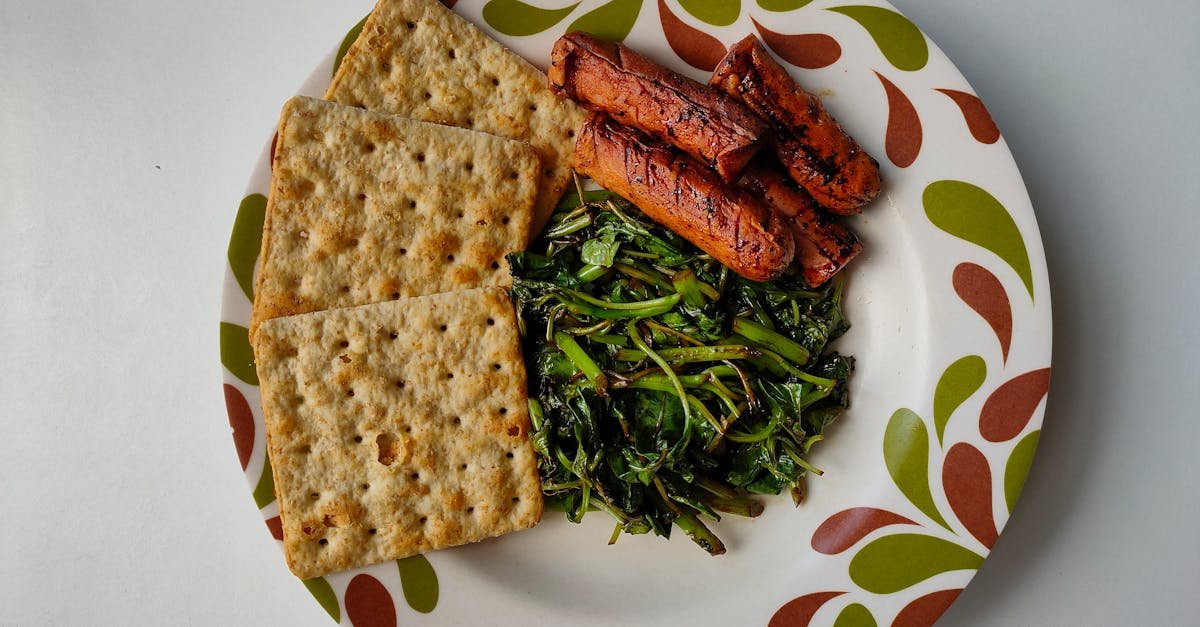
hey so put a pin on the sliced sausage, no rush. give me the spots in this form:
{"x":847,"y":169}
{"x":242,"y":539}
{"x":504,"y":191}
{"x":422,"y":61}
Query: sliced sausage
{"x":823,"y":245}
{"x":817,"y":153}
{"x":692,"y":116}
{"x":686,"y":197}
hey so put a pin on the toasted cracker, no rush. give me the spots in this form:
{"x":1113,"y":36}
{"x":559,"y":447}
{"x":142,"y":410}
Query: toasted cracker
{"x":366,"y":207}
{"x":397,"y":428}
{"x":418,"y":58}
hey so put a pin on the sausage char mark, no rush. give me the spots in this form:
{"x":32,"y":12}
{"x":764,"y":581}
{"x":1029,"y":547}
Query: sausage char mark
{"x":689,"y":115}
{"x":686,"y":197}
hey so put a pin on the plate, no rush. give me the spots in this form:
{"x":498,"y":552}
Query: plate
{"x":950,"y":304}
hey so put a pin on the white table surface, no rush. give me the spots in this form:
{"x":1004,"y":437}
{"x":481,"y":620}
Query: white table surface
{"x":128,"y":128}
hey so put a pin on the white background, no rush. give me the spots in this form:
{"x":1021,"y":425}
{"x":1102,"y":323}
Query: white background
{"x":128,"y":128}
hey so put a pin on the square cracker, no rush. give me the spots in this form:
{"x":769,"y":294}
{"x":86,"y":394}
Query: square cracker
{"x":397,"y":428}
{"x":418,"y":58}
{"x":366,"y":207}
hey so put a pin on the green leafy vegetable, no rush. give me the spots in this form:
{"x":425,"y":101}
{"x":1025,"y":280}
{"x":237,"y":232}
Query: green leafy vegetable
{"x":665,"y":389}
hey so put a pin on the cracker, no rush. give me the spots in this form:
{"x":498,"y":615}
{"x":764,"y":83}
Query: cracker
{"x":366,"y":207}
{"x":418,"y":58}
{"x":397,"y":428}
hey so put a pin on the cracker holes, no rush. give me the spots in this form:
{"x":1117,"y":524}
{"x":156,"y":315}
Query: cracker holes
{"x":410,"y":25}
{"x":400,"y":384}
{"x":491,"y":322}
{"x":388,"y":448}
{"x":470,"y":124}
{"x":345,"y":289}
{"x":471,"y":509}
{"x":443,"y":328}
{"x":459,"y":214}
{"x":462,"y":466}
{"x":423,"y":519}
{"x":305,"y":449}
{"x":496,"y":366}
{"x":570,"y":133}
{"x":350,"y":392}
{"x":323,"y":541}
{"x":420,"y":157}
{"x":371,"y":531}
{"x":548,"y":173}
{"x":457,"y":421}
{"x":427,"y":96}
{"x":393,"y":335}
{"x":495,"y":265}
{"x":362,"y":198}
{"x":353,"y":243}
{"x":314,"y":495}
{"x":450,"y":257}
{"x":365,"y":487}
{"x":495,"y":82}
{"x":470,"y":166}
{"x":344,"y":343}
{"x":452,"y":53}
{"x":369,"y":147}
{"x":449,"y":375}
{"x":505,"y":220}
{"x":403,"y":251}
{"x":512,"y":175}
{"x":503,"y":410}
{"x":532,"y":106}
{"x":416,"y":476}
{"x":412,"y":204}
{"x":516,"y":499}
{"x":509,"y":455}
{"x":385,"y":66}
{"x":358,"y":439}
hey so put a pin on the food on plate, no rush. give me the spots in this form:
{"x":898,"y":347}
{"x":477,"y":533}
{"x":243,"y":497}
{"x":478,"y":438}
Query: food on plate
{"x":823,"y":245}
{"x":818,"y":154}
{"x":665,"y":389}
{"x":419,"y":59}
{"x":694,"y":117}
{"x":682,"y":194}
{"x":366,"y":207}
{"x":397,"y":428}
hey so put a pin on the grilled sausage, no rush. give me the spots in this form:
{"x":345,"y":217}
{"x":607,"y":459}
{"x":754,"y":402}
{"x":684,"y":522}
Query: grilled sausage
{"x":675,"y":109}
{"x":683,"y":195}
{"x":823,"y":245}
{"x":817,"y":153}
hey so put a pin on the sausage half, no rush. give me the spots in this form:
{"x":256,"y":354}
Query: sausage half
{"x":692,"y":116}
{"x":823,"y":245}
{"x":817,"y":153}
{"x":683,"y":195}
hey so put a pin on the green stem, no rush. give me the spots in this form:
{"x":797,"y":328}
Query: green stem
{"x":763,"y":337}
{"x":582,"y":361}
{"x":738,"y":506}
{"x":692,"y":354}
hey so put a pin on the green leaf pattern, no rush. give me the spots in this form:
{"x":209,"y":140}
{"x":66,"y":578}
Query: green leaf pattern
{"x":323,"y":593}
{"x":969,"y":212}
{"x":960,"y":380}
{"x":906,"y":452}
{"x":518,"y":19}
{"x":610,"y":21}
{"x":419,"y":583}
{"x":900,"y":41}
{"x":715,"y":12}
{"x":895,"y":562}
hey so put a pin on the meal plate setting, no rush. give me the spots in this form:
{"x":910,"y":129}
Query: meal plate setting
{"x":951,"y":322}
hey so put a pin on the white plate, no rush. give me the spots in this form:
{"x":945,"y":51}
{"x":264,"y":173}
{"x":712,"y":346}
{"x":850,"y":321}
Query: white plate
{"x":950,"y":305}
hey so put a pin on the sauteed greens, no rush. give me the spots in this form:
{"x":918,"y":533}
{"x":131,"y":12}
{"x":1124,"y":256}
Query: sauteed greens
{"x":664,"y":388}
